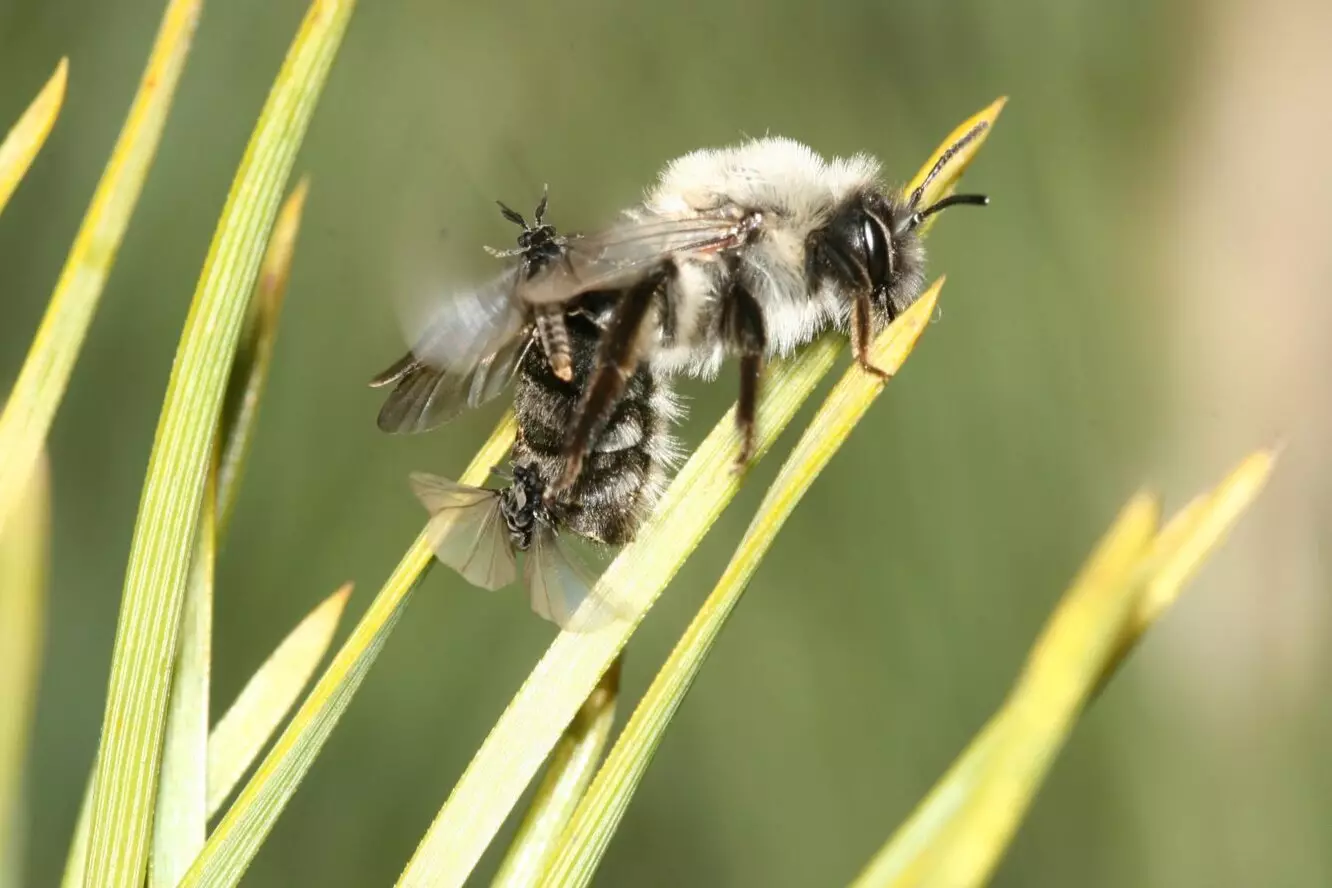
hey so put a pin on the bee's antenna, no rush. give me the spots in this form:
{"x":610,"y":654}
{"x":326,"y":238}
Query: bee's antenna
{"x":949,"y":153}
{"x":952,"y":200}
{"x":512,"y":215}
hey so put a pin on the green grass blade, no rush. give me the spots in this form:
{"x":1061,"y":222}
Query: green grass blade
{"x":573,"y":763}
{"x":23,"y":566}
{"x":28,"y":135}
{"x":242,"y":731}
{"x":598,"y":815}
{"x":959,"y":833}
{"x":570,"y":669}
{"x":536,"y":716}
{"x":245,"y":388}
{"x":180,"y":822}
{"x":146,"y":637}
{"x":247,"y":822}
{"x":41,"y":383}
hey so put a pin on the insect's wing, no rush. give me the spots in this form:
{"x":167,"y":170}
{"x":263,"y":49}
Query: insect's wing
{"x":467,"y":350}
{"x":426,"y":396}
{"x":466,"y":530}
{"x":561,"y":586}
{"x":621,"y":255}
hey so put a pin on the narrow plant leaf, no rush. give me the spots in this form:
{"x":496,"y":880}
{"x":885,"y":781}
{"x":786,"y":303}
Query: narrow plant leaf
{"x":241,"y":733}
{"x":244,"y":729}
{"x":959,"y":833}
{"x":23,"y":566}
{"x":247,"y":822}
{"x":28,"y":135}
{"x":41,"y":383}
{"x":245,"y":388}
{"x":599,"y":813}
{"x":180,"y":821}
{"x":532,"y":723}
{"x":146,"y":636}
{"x":946,"y":184}
{"x":572,"y":766}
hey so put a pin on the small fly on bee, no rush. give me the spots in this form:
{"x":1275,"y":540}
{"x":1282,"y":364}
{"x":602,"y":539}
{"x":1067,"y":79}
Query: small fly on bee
{"x":479,"y":532}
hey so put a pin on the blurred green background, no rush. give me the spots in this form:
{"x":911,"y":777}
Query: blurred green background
{"x":1084,"y":348}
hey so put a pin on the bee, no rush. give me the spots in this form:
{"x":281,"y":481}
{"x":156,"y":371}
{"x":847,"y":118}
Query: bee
{"x":480,"y":531}
{"x":751,"y":251}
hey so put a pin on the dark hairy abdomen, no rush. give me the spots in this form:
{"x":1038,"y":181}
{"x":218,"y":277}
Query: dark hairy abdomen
{"x":616,"y":485}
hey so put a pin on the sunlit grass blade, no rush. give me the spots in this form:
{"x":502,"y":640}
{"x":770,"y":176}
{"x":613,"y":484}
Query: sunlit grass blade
{"x":247,"y":725}
{"x":946,"y":183}
{"x":180,"y":822}
{"x":247,"y":822}
{"x":532,"y":723}
{"x":28,"y":135}
{"x":24,"y":551}
{"x":244,"y":729}
{"x":146,"y":637}
{"x":245,"y":388}
{"x":599,"y":814}
{"x":573,"y":763}
{"x":959,"y":833}
{"x":41,"y":383}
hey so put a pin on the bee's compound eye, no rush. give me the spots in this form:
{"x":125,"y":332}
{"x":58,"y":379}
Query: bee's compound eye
{"x":877,"y":261}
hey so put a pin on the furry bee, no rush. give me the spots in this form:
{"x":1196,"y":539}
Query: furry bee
{"x":752,"y":250}
{"x":479,"y":531}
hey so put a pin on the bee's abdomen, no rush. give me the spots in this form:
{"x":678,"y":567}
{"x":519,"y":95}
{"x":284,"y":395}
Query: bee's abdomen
{"x":623,"y":473}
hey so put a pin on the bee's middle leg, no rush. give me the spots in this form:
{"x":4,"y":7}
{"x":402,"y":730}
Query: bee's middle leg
{"x":745,"y":330}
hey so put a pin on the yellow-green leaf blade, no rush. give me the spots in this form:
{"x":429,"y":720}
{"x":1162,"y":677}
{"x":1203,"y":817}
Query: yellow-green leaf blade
{"x":955,"y":835}
{"x":247,"y":822}
{"x":598,"y":815}
{"x":23,"y":566}
{"x":180,"y":821}
{"x":146,"y":636}
{"x":41,"y":383}
{"x":29,"y":133}
{"x":245,"y":388}
{"x":242,"y":731}
{"x":572,"y":766}
{"x":532,"y":723}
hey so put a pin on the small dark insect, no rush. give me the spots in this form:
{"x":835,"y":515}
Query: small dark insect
{"x":479,"y":532}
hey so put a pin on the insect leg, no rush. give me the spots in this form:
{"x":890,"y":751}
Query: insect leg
{"x":617,"y":359}
{"x":862,"y":331}
{"x":554,"y":336}
{"x":743,"y":326}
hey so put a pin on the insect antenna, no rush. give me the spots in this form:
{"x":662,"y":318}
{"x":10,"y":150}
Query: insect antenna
{"x":539,"y":218}
{"x":512,"y":215}
{"x":949,"y":153}
{"x":952,"y":200}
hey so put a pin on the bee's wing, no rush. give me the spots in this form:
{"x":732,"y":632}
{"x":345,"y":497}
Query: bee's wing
{"x":466,"y":530}
{"x":620,"y":255}
{"x":467,"y":348}
{"x":561,"y":586}
{"x":426,"y":396}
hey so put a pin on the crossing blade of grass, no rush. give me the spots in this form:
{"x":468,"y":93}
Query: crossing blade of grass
{"x":247,"y":822}
{"x":599,"y":813}
{"x":180,"y":824}
{"x":28,"y":135}
{"x":573,"y":763}
{"x":534,"y":719}
{"x":572,"y":666}
{"x":24,"y":551}
{"x":959,"y":833}
{"x":147,"y":633}
{"x":249,"y":375}
{"x":247,"y":725}
{"x":41,"y":383}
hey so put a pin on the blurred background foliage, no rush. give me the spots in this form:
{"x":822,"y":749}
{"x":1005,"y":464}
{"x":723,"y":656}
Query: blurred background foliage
{"x":1090,"y":339}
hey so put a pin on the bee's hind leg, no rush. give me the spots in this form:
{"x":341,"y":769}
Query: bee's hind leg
{"x":617,"y":359}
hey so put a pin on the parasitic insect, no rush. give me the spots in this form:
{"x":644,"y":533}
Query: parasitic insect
{"x":480,"y":532}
